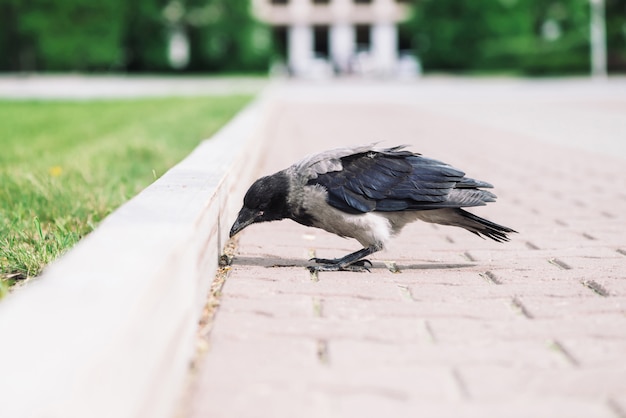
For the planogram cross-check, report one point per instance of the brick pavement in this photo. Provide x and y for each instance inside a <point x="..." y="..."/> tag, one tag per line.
<point x="446" y="324"/>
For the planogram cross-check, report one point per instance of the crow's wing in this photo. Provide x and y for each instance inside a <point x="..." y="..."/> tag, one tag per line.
<point x="392" y="179"/>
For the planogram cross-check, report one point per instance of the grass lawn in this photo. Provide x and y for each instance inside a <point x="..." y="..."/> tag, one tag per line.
<point x="64" y="166"/>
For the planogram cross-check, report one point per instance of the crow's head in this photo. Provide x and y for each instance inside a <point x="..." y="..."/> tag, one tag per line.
<point x="266" y="200"/>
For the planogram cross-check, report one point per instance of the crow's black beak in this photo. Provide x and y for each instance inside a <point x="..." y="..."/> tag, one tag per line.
<point x="246" y="217"/>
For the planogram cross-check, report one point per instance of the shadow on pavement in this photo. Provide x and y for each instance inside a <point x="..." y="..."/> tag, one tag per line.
<point x="279" y="262"/>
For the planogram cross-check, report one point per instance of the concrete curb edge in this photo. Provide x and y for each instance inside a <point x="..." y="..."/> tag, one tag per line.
<point x="108" y="330"/>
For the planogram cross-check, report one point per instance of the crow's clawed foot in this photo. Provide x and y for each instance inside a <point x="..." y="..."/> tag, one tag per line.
<point x="361" y="262"/>
<point x="336" y="265"/>
<point x="325" y="260"/>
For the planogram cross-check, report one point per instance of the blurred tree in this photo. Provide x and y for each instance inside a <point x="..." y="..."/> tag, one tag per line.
<point x="561" y="38"/>
<point x="145" y="36"/>
<point x="224" y="37"/>
<point x="83" y="35"/>
<point x="61" y="35"/>
<point x="616" y="34"/>
<point x="530" y="36"/>
<point x="13" y="45"/>
<point x="449" y="33"/>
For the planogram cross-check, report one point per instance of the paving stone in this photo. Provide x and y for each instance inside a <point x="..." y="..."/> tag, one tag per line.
<point x="446" y="324"/>
<point x="493" y="383"/>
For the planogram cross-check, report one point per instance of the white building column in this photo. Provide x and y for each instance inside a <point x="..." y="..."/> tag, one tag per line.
<point x="384" y="47"/>
<point x="342" y="45"/>
<point x="598" y="39"/>
<point x="300" y="48"/>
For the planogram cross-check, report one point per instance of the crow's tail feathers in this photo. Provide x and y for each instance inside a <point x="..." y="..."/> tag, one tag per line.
<point x="483" y="227"/>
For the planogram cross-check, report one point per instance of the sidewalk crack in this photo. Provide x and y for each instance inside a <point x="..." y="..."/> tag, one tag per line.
<point x="560" y="264"/>
<point x="406" y="292"/>
<point x="596" y="287"/>
<point x="460" y="384"/>
<point x="519" y="307"/>
<point x="564" y="352"/>
<point x="322" y="352"/>
<point x="318" y="307"/>
<point x="616" y="408"/>
<point x="490" y="277"/>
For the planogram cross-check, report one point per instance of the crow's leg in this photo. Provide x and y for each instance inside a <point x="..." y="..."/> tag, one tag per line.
<point x="351" y="262"/>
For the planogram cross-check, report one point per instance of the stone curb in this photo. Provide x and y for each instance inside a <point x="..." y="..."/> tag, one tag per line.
<point x="108" y="330"/>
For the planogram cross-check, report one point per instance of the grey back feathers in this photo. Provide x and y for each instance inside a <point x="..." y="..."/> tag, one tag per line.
<point x="367" y="178"/>
<point x="328" y="161"/>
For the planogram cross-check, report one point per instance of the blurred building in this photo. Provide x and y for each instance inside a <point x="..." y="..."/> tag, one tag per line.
<point x="323" y="37"/>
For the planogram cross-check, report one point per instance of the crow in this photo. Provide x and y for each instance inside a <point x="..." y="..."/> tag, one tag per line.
<point x="369" y="194"/>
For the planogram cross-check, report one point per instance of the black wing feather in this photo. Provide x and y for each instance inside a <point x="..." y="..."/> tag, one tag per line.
<point x="394" y="180"/>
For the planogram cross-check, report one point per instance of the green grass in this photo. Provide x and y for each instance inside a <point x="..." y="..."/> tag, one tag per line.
<point x="64" y="166"/>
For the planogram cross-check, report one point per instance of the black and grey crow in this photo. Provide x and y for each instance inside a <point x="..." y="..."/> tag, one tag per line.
<point x="369" y="194"/>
